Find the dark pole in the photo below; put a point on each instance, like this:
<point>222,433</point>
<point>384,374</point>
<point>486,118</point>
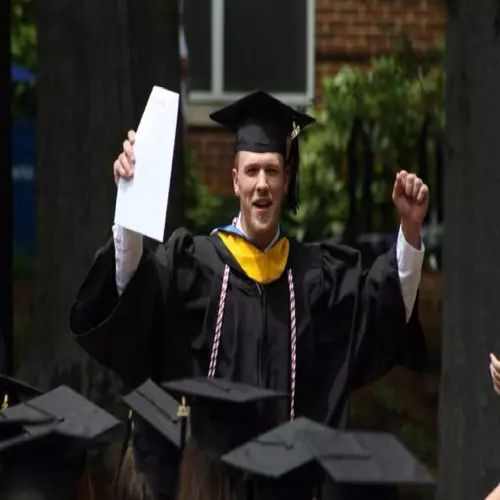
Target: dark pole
<point>6,344</point>
<point>469,462</point>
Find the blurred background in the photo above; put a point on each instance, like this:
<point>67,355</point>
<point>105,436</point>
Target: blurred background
<point>373,75</point>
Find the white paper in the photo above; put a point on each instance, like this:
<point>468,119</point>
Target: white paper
<point>141,203</point>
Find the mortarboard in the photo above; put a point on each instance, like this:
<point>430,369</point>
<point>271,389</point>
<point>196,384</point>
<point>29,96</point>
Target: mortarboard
<point>347,458</point>
<point>13,390</point>
<point>59,421</point>
<point>287,448</point>
<point>388,462</point>
<point>263,124</point>
<point>223,414</point>
<point>43,443</point>
<point>160,410</point>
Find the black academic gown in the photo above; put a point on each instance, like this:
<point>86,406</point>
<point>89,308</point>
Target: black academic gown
<point>351,323</point>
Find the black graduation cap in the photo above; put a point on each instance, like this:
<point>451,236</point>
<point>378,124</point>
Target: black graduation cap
<point>13,390</point>
<point>160,410</point>
<point>60,421</point>
<point>263,124</point>
<point>387,461</point>
<point>223,414</point>
<point>346,457</point>
<point>285,449</point>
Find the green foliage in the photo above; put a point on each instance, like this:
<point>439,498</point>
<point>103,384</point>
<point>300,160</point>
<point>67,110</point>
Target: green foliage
<point>23,49</point>
<point>23,33</point>
<point>393,96</point>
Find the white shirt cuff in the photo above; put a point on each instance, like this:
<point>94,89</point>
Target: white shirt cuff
<point>410,261</point>
<point>128,254</point>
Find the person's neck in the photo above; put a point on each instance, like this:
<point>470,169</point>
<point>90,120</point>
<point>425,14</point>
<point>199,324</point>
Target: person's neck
<point>261,239</point>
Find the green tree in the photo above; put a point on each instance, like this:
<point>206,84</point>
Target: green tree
<point>23,42</point>
<point>23,33</point>
<point>393,97</point>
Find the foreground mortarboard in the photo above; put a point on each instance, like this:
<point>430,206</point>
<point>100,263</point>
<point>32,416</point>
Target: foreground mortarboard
<point>13,390</point>
<point>223,414</point>
<point>159,409</point>
<point>388,461</point>
<point>346,457</point>
<point>60,420</point>
<point>262,124</point>
<point>284,449</point>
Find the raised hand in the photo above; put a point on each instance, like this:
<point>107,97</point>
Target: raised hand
<point>411,197</point>
<point>125,163</point>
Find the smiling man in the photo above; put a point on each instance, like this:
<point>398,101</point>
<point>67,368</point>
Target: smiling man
<point>248,303</point>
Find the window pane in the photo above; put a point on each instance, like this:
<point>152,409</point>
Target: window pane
<point>265,45</point>
<point>198,29</point>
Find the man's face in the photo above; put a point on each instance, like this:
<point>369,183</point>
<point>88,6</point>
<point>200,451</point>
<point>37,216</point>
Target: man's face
<point>260,181</point>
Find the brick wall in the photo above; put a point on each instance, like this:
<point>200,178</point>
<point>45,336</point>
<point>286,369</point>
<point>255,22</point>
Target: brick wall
<point>347,32</point>
<point>214,149</point>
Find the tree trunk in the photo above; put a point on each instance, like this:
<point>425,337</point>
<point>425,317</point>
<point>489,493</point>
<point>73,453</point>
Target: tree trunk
<point>5,195</point>
<point>97,63</point>
<point>469,409</point>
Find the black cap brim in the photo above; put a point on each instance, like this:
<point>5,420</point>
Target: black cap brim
<point>224,391</point>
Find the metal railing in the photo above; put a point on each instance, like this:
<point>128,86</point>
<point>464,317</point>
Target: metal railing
<point>359,231</point>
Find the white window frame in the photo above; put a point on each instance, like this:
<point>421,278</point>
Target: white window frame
<point>218,96</point>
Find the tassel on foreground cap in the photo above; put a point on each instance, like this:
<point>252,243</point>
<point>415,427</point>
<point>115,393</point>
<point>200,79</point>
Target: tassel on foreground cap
<point>263,124</point>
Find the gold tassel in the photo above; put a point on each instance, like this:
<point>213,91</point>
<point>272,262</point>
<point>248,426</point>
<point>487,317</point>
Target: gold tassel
<point>5,403</point>
<point>130,484</point>
<point>183,409</point>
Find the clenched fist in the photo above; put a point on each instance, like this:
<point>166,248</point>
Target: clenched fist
<point>124,164</point>
<point>495,373</point>
<point>411,197</point>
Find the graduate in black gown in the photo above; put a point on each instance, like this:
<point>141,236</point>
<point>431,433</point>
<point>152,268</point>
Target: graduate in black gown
<point>249,304</point>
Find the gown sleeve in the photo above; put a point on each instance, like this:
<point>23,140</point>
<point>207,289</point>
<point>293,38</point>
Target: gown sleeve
<point>373,311</point>
<point>120,332</point>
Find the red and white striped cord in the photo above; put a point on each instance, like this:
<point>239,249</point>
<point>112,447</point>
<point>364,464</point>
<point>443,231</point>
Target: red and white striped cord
<point>293,334</point>
<point>218,326</point>
<point>293,344</point>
